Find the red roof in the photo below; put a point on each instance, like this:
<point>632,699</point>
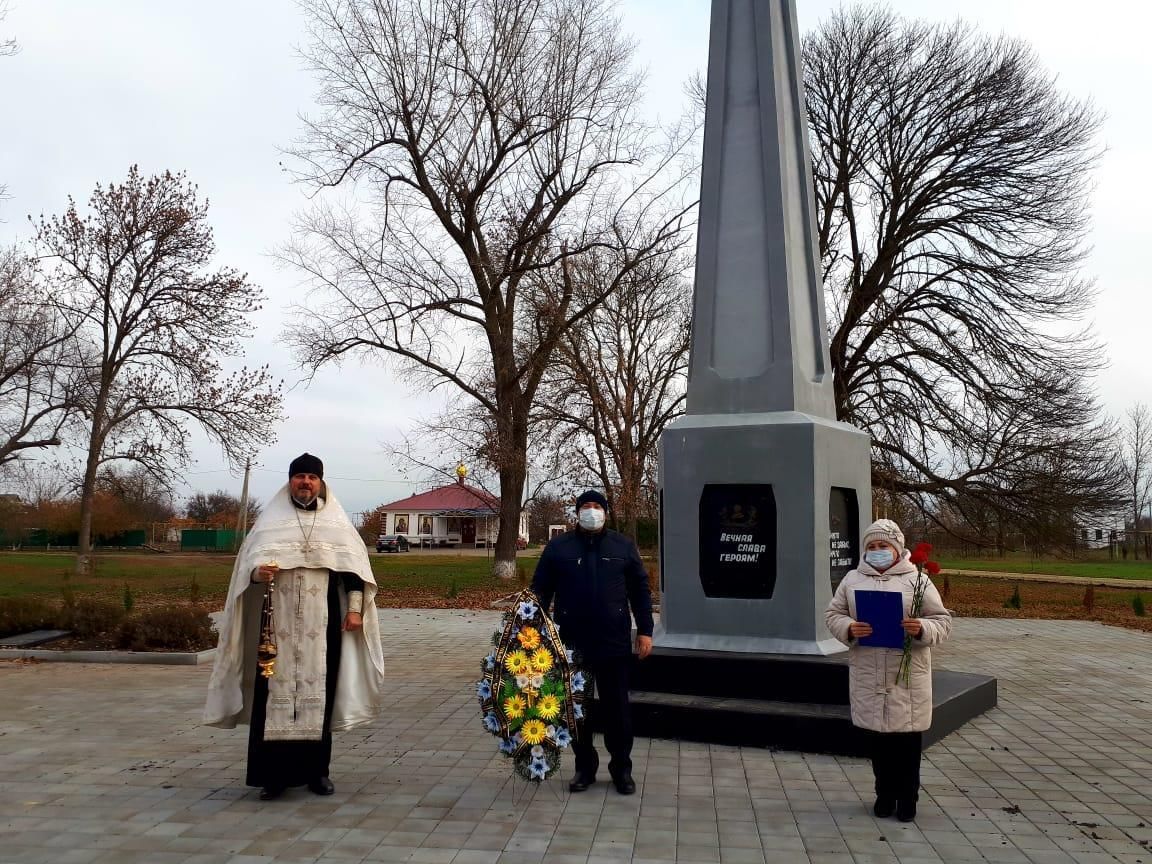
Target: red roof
<point>455,497</point>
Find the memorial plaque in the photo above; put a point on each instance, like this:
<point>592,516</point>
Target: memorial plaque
<point>844,533</point>
<point>738,540</point>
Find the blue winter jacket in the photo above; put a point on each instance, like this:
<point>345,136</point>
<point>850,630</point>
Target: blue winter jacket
<point>594,579</point>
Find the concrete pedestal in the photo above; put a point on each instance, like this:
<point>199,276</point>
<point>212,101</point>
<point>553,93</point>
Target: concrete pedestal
<point>747,547</point>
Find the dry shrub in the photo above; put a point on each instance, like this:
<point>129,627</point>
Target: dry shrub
<point>86,618</point>
<point>25,614</point>
<point>174,628</point>
<point>653,571</point>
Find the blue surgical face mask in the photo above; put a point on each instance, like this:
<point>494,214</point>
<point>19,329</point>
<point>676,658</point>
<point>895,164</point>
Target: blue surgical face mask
<point>591,519</point>
<point>879,559</point>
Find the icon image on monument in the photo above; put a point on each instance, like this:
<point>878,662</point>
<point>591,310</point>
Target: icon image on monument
<point>764,493</point>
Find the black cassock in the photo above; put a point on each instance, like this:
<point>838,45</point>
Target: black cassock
<point>295,763</point>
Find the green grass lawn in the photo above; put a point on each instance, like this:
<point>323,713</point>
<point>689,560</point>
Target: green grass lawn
<point>164,577</point>
<point>1089,569</point>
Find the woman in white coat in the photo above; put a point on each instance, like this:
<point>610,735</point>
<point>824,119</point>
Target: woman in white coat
<point>896,713</point>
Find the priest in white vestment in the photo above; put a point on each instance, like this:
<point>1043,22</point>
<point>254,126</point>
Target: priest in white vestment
<point>329,666</point>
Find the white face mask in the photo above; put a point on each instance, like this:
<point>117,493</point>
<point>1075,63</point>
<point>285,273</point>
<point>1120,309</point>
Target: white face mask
<point>591,519</point>
<point>880,559</point>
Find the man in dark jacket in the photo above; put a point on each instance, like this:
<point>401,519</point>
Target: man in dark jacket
<point>595,576</point>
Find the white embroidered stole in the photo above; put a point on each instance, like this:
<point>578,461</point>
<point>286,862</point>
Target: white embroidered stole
<point>296,693</point>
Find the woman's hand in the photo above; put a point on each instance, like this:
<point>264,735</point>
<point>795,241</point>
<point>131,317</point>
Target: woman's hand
<point>860,628</point>
<point>913,627</point>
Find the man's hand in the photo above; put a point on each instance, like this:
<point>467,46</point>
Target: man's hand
<point>265,573</point>
<point>860,628</point>
<point>353,621</point>
<point>643,646</point>
<point>912,626</point>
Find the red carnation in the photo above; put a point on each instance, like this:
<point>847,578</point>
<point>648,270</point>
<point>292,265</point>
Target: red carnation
<point>920,553</point>
<point>932,567</point>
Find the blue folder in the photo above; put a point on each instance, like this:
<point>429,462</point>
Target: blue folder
<point>884,610</point>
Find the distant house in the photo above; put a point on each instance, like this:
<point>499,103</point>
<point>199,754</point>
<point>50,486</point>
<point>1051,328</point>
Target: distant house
<point>452,515</point>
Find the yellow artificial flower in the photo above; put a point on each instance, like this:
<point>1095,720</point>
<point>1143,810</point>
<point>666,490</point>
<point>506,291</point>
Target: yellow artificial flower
<point>548,706</point>
<point>541,659</point>
<point>534,731</point>
<point>517,663</point>
<point>529,637</point>
<point>514,706</point>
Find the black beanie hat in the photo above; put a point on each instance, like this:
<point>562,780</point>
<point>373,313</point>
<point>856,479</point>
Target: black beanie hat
<point>306,463</point>
<point>591,495</point>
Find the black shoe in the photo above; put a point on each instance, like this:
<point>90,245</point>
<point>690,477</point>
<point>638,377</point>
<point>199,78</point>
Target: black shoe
<point>625,785</point>
<point>580,782</point>
<point>905,810</point>
<point>884,807</point>
<point>323,786</point>
<point>270,793</point>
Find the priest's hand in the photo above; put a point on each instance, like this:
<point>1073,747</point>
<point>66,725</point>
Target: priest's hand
<point>265,573</point>
<point>353,621</point>
<point>860,628</point>
<point>643,646</point>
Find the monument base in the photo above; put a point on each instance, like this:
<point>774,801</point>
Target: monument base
<point>785,702</point>
<point>760,515</point>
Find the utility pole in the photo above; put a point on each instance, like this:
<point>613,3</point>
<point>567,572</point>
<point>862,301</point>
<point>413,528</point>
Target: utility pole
<point>242,516</point>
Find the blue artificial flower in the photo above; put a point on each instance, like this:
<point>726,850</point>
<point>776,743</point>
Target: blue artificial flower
<point>527,610</point>
<point>484,689</point>
<point>537,752</point>
<point>563,737</point>
<point>507,746</point>
<point>578,682</point>
<point>518,739</point>
<point>490,662</point>
<point>578,710</point>
<point>568,654</point>
<point>491,723</point>
<point>538,769</point>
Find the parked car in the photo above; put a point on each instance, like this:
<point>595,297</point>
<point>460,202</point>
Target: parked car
<point>391,543</point>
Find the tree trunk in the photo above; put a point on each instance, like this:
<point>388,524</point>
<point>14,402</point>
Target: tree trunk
<point>511,493</point>
<point>87,500</point>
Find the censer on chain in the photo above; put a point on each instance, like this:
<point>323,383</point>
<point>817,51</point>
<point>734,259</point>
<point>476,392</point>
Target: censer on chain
<point>266,653</point>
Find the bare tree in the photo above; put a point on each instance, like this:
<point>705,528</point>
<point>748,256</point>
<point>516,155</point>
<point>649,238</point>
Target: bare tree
<point>485,146</point>
<point>951,178</point>
<point>620,377</point>
<point>545,510</point>
<point>39,365</point>
<point>8,47</point>
<point>220,508</point>
<point>1136,457</point>
<point>143,495</point>
<point>158,322</point>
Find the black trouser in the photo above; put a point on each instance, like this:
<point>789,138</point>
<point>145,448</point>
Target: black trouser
<point>612,713</point>
<point>896,764</point>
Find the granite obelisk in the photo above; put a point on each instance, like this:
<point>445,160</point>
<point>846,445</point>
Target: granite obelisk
<point>763,492</point>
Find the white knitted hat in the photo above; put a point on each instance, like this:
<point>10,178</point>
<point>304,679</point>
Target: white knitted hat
<point>886,530</point>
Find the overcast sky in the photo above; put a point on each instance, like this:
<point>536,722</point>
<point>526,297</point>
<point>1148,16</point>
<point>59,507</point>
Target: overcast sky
<point>214,88</point>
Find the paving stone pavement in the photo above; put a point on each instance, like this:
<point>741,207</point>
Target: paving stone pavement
<point>109,764</point>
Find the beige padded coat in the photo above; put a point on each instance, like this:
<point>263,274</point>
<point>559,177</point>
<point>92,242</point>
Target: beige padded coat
<point>878,702</point>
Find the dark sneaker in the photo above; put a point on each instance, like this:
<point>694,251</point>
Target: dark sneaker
<point>905,810</point>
